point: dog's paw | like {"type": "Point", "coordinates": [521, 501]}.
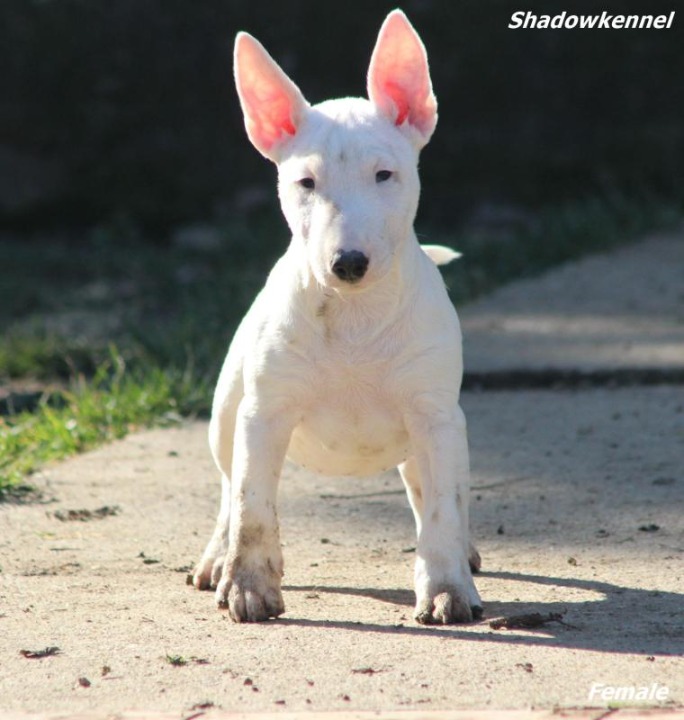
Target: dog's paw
{"type": "Point", "coordinates": [447, 605]}
{"type": "Point", "coordinates": [250, 594]}
{"type": "Point", "coordinates": [207, 573]}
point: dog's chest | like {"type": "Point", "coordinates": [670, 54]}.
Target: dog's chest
{"type": "Point", "coordinates": [352, 424]}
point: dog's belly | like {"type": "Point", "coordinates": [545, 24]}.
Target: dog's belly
{"type": "Point", "coordinates": [362, 440]}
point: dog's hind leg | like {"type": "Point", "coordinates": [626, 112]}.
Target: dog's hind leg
{"type": "Point", "coordinates": [229, 392]}
{"type": "Point", "coordinates": [208, 570]}
{"type": "Point", "coordinates": [409, 474]}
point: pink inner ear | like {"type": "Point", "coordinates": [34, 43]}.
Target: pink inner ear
{"type": "Point", "coordinates": [399, 79]}
{"type": "Point", "coordinates": [268, 113]}
{"type": "Point", "coordinates": [271, 102]}
{"type": "Point", "coordinates": [396, 93]}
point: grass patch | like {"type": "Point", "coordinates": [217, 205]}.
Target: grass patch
{"type": "Point", "coordinates": [114, 402]}
{"type": "Point", "coordinates": [136, 332]}
{"type": "Point", "coordinates": [44, 357]}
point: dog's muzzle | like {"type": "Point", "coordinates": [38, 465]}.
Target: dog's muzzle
{"type": "Point", "coordinates": [350, 266]}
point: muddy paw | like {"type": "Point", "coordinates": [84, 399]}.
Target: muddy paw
{"type": "Point", "coordinates": [207, 573]}
{"type": "Point", "coordinates": [250, 595]}
{"type": "Point", "coordinates": [446, 606]}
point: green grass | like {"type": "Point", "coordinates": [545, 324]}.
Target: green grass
{"type": "Point", "coordinates": [176, 660]}
{"type": "Point", "coordinates": [44, 357]}
{"type": "Point", "coordinates": [133, 334]}
{"type": "Point", "coordinates": [108, 406]}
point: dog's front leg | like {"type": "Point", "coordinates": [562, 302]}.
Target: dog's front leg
{"type": "Point", "coordinates": [445, 591]}
{"type": "Point", "coordinates": [411, 476]}
{"type": "Point", "coordinates": [250, 582]}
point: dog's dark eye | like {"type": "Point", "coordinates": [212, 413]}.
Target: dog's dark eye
{"type": "Point", "coordinates": [307, 183]}
{"type": "Point", "coordinates": [383, 175]}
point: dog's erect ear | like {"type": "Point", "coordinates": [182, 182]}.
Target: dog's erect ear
{"type": "Point", "coordinates": [272, 104]}
{"type": "Point", "coordinates": [399, 79]}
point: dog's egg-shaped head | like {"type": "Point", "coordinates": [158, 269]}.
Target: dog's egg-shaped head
{"type": "Point", "coordinates": [349, 190]}
{"type": "Point", "coordinates": [348, 180]}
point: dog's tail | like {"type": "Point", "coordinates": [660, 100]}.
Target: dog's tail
{"type": "Point", "coordinates": [440, 254]}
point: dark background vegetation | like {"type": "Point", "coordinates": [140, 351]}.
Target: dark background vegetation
{"type": "Point", "coordinates": [126, 108]}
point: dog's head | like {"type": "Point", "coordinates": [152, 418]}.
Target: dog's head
{"type": "Point", "coordinates": [348, 179]}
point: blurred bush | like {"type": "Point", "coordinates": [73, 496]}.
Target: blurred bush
{"type": "Point", "coordinates": [125, 108]}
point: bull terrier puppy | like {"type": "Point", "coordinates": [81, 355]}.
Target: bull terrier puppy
{"type": "Point", "coordinates": [349, 361]}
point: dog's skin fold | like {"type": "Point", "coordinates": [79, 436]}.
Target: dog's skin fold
{"type": "Point", "coordinates": [349, 361]}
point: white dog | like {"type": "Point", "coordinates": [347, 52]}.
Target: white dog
{"type": "Point", "coordinates": [349, 362]}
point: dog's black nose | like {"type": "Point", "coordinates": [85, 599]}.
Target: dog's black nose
{"type": "Point", "coordinates": [350, 266]}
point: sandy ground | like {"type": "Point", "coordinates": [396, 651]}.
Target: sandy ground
{"type": "Point", "coordinates": [613, 311]}
{"type": "Point", "coordinates": [577, 509]}
{"type": "Point", "coordinates": [560, 496]}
